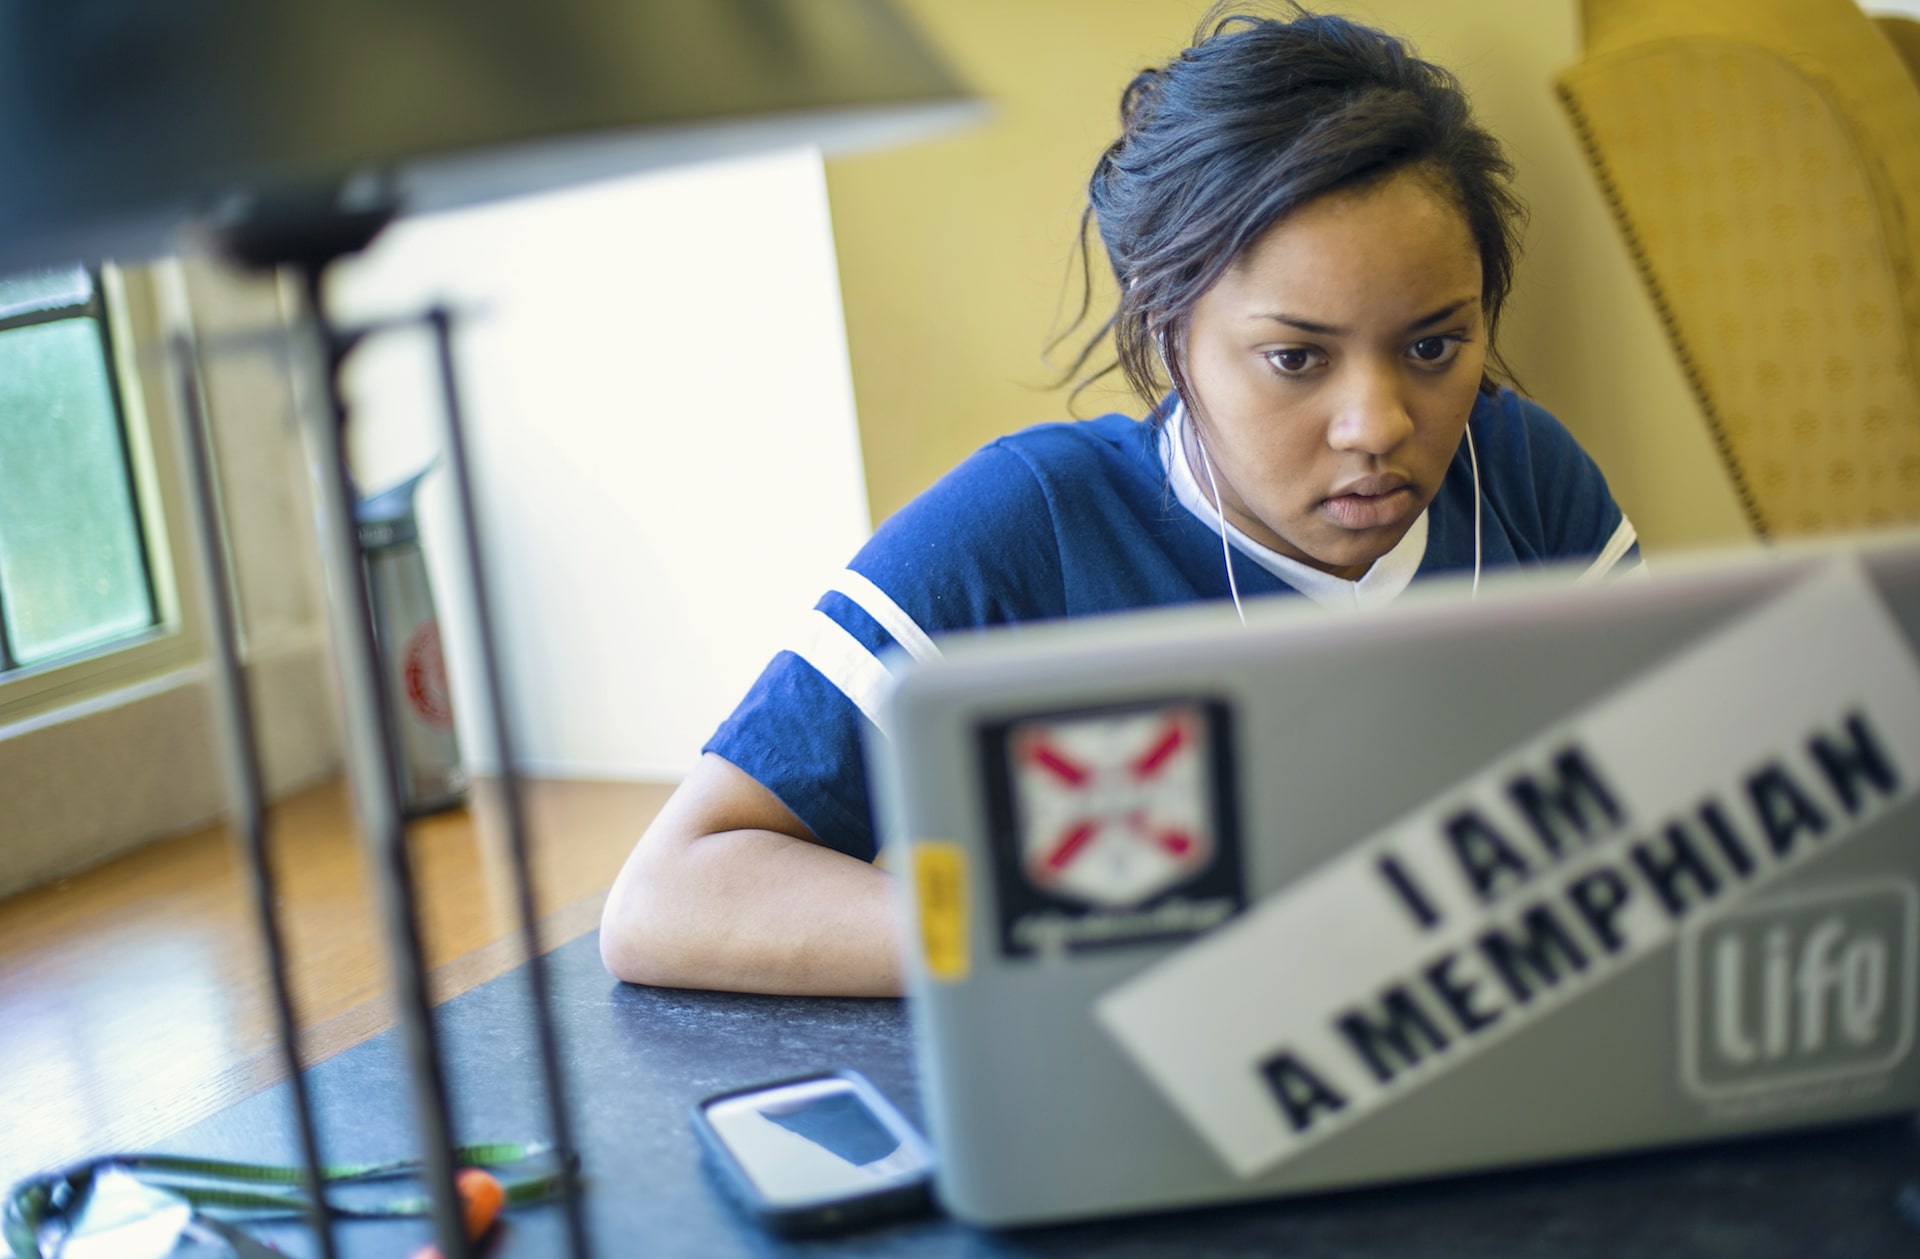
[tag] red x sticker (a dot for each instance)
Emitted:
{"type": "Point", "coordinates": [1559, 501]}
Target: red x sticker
{"type": "Point", "coordinates": [1114, 808]}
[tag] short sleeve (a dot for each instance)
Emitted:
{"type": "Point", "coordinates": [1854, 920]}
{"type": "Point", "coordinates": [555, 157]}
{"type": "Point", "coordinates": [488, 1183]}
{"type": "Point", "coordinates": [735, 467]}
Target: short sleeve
{"type": "Point", "coordinates": [976, 549]}
{"type": "Point", "coordinates": [1550, 497]}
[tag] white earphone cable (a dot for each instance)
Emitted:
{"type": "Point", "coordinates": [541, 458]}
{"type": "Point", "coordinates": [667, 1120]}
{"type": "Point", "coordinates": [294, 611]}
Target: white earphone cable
{"type": "Point", "coordinates": [1474, 459]}
{"type": "Point", "coordinates": [1226, 552]}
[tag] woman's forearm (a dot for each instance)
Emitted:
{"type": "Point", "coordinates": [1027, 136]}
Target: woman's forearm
{"type": "Point", "coordinates": [747, 909]}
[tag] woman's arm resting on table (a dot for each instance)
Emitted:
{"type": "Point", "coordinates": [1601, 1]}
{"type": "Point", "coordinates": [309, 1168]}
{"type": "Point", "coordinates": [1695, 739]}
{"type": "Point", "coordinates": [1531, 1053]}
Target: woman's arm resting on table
{"type": "Point", "coordinates": [724, 891]}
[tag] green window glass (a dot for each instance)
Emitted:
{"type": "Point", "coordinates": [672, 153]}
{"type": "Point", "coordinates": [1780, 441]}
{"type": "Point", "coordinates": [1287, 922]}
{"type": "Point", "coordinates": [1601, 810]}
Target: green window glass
{"type": "Point", "coordinates": [73, 569]}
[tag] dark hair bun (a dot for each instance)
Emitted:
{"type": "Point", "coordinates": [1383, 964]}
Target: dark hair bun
{"type": "Point", "coordinates": [1258, 117]}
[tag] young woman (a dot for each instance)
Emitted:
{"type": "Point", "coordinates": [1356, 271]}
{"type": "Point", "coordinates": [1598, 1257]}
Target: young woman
{"type": "Point", "coordinates": [1313, 240]}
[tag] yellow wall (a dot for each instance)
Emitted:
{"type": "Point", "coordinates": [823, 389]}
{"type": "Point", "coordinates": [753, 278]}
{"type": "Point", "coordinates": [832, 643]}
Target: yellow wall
{"type": "Point", "coordinates": [954, 253]}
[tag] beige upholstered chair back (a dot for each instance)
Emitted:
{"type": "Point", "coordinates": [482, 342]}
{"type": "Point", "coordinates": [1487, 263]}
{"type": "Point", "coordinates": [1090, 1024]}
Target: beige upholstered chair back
{"type": "Point", "coordinates": [1904, 34]}
{"type": "Point", "coordinates": [1762, 158]}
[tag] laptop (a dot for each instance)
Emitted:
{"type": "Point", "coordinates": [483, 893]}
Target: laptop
{"type": "Point", "coordinates": [1200, 912]}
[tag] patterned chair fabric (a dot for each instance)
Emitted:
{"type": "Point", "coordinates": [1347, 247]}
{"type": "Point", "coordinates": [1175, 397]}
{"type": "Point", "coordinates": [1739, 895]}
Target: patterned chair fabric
{"type": "Point", "coordinates": [1762, 159]}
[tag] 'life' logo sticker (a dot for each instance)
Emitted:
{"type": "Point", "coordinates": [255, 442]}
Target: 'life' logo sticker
{"type": "Point", "coordinates": [1794, 995]}
{"type": "Point", "coordinates": [1113, 826]}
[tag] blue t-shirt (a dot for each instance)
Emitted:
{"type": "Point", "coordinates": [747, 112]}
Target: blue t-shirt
{"type": "Point", "coordinates": [1077, 519]}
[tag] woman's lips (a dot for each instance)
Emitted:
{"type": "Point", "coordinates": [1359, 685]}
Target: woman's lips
{"type": "Point", "coordinates": [1370, 505]}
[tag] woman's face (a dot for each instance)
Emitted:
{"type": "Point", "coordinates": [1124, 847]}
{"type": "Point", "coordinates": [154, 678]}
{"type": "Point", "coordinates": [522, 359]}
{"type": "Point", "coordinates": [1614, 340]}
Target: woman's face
{"type": "Point", "coordinates": [1334, 366]}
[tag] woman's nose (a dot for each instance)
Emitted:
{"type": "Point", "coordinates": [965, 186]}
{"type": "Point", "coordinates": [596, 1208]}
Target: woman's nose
{"type": "Point", "coordinates": [1370, 413]}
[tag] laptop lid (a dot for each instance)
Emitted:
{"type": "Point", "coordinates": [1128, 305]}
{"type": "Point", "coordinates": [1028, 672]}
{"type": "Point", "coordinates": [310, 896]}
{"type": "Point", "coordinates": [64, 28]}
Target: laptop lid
{"type": "Point", "coordinates": [1199, 913]}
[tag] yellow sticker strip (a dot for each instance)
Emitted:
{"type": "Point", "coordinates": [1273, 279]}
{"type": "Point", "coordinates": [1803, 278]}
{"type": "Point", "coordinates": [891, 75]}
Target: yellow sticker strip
{"type": "Point", "coordinates": [940, 880]}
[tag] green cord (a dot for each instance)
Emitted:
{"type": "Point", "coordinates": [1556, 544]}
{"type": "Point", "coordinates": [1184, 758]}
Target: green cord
{"type": "Point", "coordinates": [225, 1186]}
{"type": "Point", "coordinates": [488, 1155]}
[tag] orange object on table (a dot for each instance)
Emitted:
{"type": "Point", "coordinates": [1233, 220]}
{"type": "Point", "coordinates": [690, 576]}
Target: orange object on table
{"type": "Point", "coordinates": [481, 1198]}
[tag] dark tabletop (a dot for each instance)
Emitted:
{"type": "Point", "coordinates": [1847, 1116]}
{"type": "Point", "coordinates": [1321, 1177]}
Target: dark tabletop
{"type": "Point", "coordinates": [638, 1059]}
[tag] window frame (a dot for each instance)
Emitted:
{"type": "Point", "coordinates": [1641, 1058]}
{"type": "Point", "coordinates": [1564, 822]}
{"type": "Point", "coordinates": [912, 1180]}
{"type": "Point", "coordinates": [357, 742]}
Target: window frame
{"type": "Point", "coordinates": [127, 319]}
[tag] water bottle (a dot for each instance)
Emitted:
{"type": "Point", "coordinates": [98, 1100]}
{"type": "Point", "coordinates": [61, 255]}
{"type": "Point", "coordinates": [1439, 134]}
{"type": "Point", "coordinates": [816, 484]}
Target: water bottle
{"type": "Point", "coordinates": [420, 705]}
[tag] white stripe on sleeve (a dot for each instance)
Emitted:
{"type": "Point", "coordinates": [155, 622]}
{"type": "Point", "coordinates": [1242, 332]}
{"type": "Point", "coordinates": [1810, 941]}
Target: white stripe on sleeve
{"type": "Point", "coordinates": [844, 661]}
{"type": "Point", "coordinates": [1612, 553]}
{"type": "Point", "coordinates": [879, 605]}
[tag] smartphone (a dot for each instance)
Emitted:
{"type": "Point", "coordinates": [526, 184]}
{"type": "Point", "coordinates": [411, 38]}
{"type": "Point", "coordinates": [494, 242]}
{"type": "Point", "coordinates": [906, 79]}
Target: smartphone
{"type": "Point", "coordinates": [816, 1153]}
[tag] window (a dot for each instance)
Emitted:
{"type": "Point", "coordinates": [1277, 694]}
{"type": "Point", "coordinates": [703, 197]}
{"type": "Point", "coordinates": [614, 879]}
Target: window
{"type": "Point", "coordinates": [105, 726]}
{"type": "Point", "coordinates": [90, 567]}
{"type": "Point", "coordinates": [74, 570]}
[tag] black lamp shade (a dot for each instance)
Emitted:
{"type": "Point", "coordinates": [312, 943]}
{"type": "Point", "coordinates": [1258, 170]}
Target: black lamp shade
{"type": "Point", "coordinates": [122, 120]}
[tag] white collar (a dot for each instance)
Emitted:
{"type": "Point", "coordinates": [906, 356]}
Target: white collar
{"type": "Point", "coordinates": [1379, 585]}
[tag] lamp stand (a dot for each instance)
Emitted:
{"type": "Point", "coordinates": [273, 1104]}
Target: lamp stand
{"type": "Point", "coordinates": [302, 236]}
{"type": "Point", "coordinates": [245, 792]}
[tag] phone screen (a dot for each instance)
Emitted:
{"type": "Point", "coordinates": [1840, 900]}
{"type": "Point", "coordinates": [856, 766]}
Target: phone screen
{"type": "Point", "coordinates": [815, 1139]}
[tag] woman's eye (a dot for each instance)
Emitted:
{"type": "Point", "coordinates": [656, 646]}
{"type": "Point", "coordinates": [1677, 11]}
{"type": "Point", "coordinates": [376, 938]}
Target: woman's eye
{"type": "Point", "coordinates": [1293, 362]}
{"type": "Point", "coordinates": [1434, 351]}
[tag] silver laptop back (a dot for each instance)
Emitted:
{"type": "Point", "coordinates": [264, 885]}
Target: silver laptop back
{"type": "Point", "coordinates": [1200, 913]}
